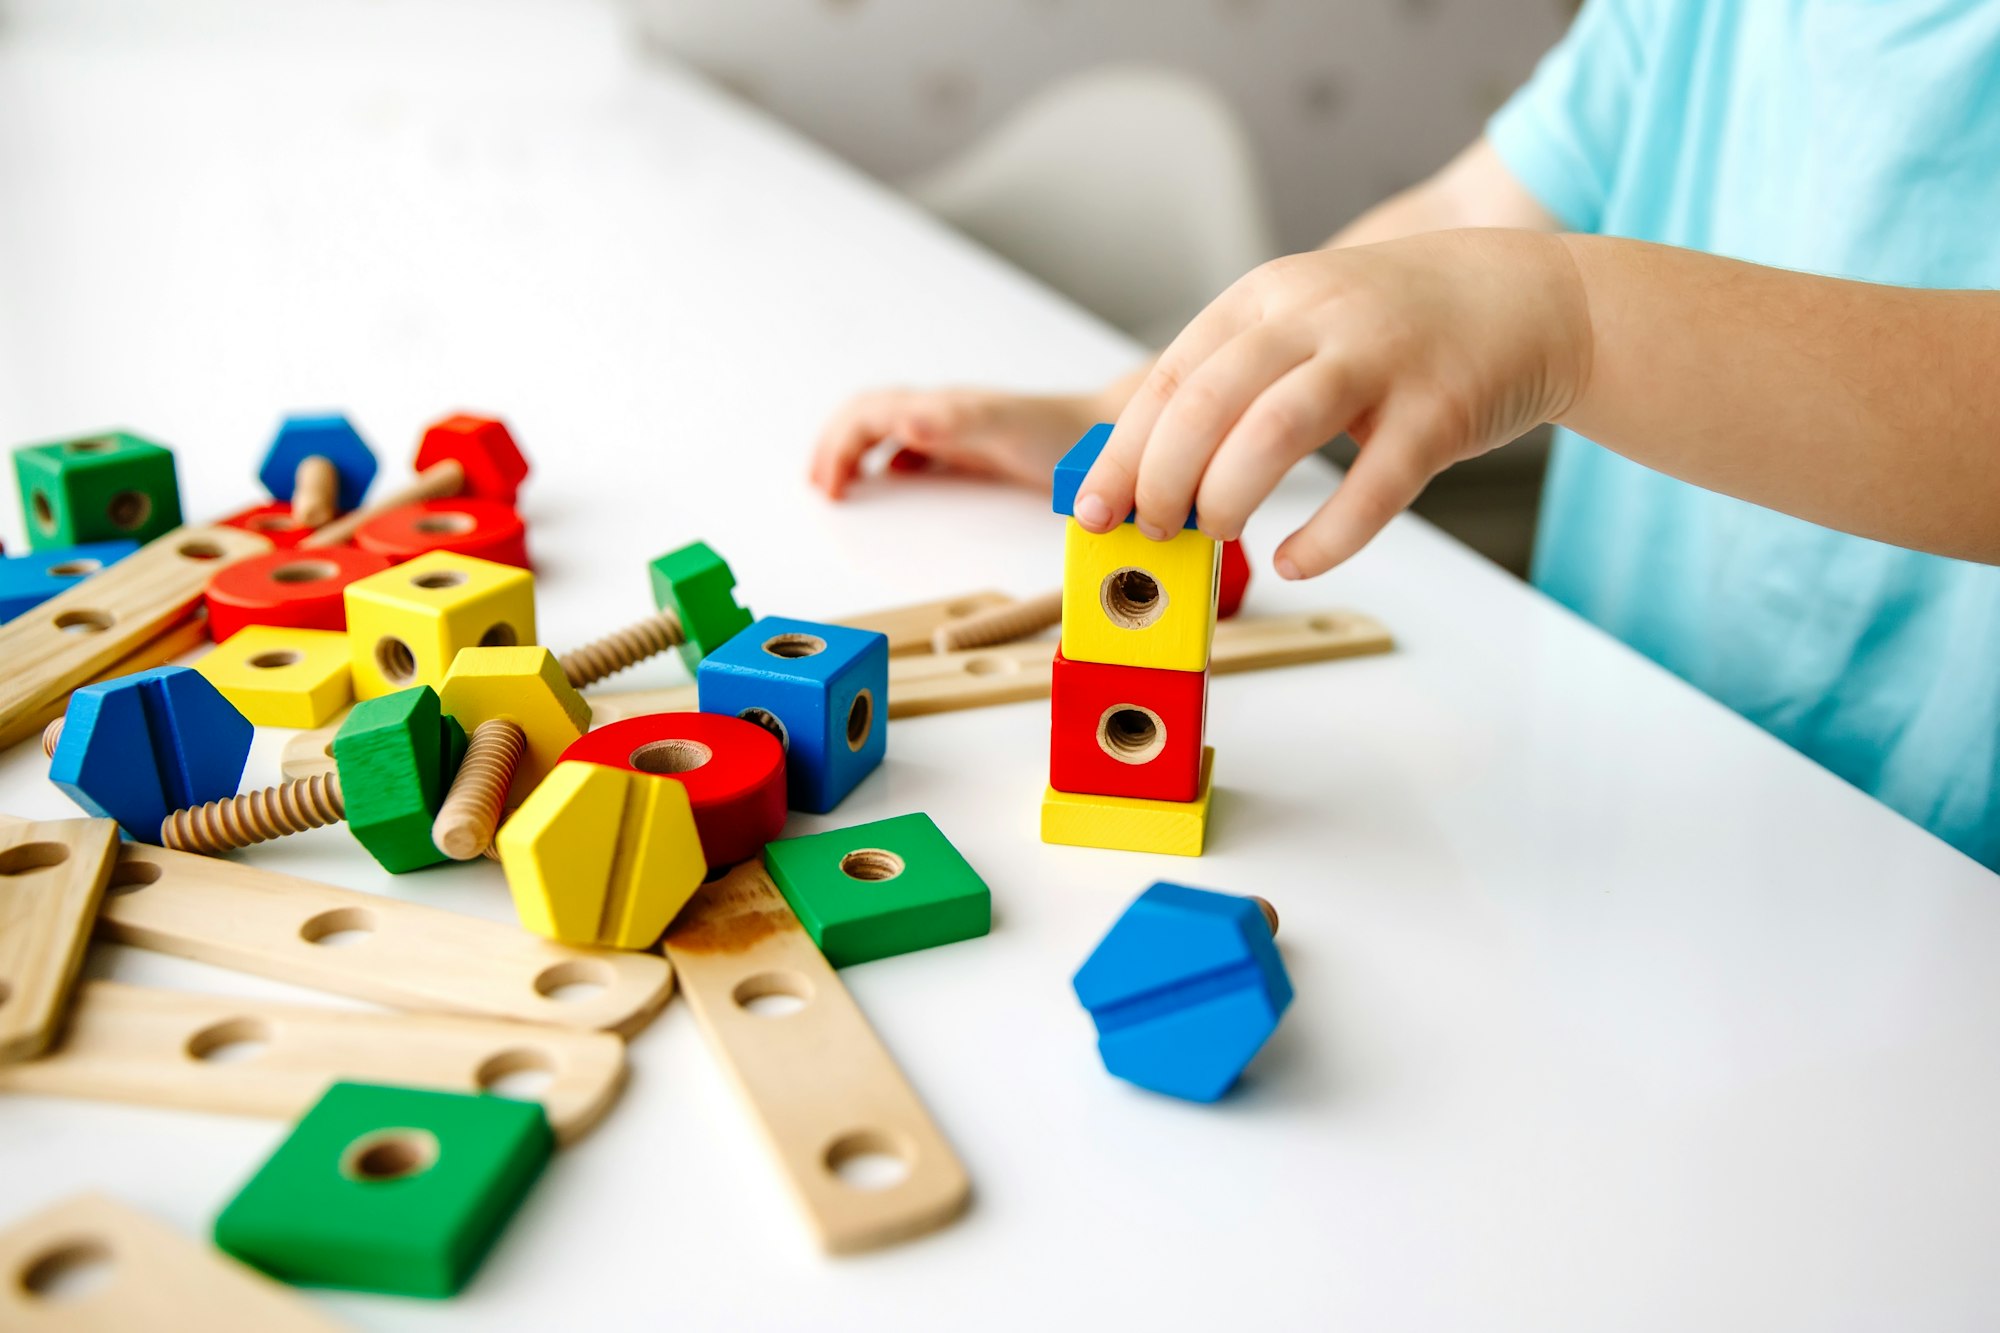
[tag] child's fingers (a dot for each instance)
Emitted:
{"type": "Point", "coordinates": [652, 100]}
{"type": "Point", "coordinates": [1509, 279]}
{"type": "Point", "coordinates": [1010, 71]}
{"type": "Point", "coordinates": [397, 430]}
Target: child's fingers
{"type": "Point", "coordinates": [1310, 405]}
{"type": "Point", "coordinates": [1390, 473]}
{"type": "Point", "coordinates": [853, 431]}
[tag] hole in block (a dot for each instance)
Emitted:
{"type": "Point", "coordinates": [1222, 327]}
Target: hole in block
{"type": "Point", "coordinates": [577, 979]}
{"type": "Point", "coordinates": [45, 513]}
{"type": "Point", "coordinates": [129, 510]}
{"type": "Point", "coordinates": [339, 928]}
{"type": "Point", "coordinates": [794, 645]}
{"type": "Point", "coordinates": [83, 622]}
{"type": "Point", "coordinates": [521, 1072]}
{"type": "Point", "coordinates": [32, 856]}
{"type": "Point", "coordinates": [1132, 598]}
{"type": "Point", "coordinates": [132, 876]}
{"type": "Point", "coordinates": [445, 525]}
{"type": "Point", "coordinates": [860, 719]}
{"type": "Point", "coordinates": [74, 569]}
{"type": "Point", "coordinates": [394, 659]}
{"type": "Point", "coordinates": [501, 635]}
{"type": "Point", "coordinates": [871, 864]}
{"type": "Point", "coordinates": [770, 722]}
{"type": "Point", "coordinates": [68, 1272]}
{"type": "Point", "coordinates": [277, 657]}
{"type": "Point", "coordinates": [231, 1041]}
{"type": "Point", "coordinates": [671, 756]}
{"type": "Point", "coordinates": [305, 571]}
{"type": "Point", "coordinates": [773, 994]}
{"type": "Point", "coordinates": [97, 446]}
{"type": "Point", "coordinates": [439, 578]}
{"type": "Point", "coordinates": [274, 523]}
{"type": "Point", "coordinates": [389, 1154]}
{"type": "Point", "coordinates": [869, 1159]}
{"type": "Point", "coordinates": [1131, 734]}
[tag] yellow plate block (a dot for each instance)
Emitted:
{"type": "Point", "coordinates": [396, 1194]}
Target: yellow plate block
{"type": "Point", "coordinates": [1128, 601]}
{"type": "Point", "coordinates": [282, 677]}
{"type": "Point", "coordinates": [406, 624]}
{"type": "Point", "coordinates": [526, 685]}
{"type": "Point", "coordinates": [1128, 823]}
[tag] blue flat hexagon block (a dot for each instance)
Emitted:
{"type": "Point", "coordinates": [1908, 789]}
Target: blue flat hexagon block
{"type": "Point", "coordinates": [822, 689]}
{"type": "Point", "coordinates": [1072, 466]}
{"type": "Point", "coordinates": [26, 581]}
{"type": "Point", "coordinates": [140, 747]}
{"type": "Point", "coordinates": [1185, 989]}
{"type": "Point", "coordinates": [330, 436]}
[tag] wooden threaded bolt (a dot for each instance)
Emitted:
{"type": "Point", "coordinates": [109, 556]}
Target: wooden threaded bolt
{"type": "Point", "coordinates": [627, 647]}
{"type": "Point", "coordinates": [1270, 913]}
{"type": "Point", "coordinates": [433, 483]}
{"type": "Point", "coordinates": [315, 491]}
{"type": "Point", "coordinates": [471, 810]}
{"type": "Point", "coordinates": [999, 624]}
{"type": "Point", "coordinates": [52, 737]}
{"type": "Point", "coordinates": [255, 816]}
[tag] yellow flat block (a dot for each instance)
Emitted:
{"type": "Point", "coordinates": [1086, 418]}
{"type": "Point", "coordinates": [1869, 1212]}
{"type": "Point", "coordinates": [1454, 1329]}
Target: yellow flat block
{"type": "Point", "coordinates": [1127, 823]}
{"type": "Point", "coordinates": [1128, 601]}
{"type": "Point", "coordinates": [282, 677]}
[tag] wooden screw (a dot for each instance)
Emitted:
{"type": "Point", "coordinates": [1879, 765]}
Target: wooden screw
{"type": "Point", "coordinates": [1270, 913]}
{"type": "Point", "coordinates": [315, 491]}
{"type": "Point", "coordinates": [51, 737]}
{"type": "Point", "coordinates": [433, 483]}
{"type": "Point", "coordinates": [471, 811]}
{"type": "Point", "coordinates": [627, 647]}
{"type": "Point", "coordinates": [256, 816]}
{"type": "Point", "coordinates": [999, 624]}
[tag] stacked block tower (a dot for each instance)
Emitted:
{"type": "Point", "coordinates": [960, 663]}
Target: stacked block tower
{"type": "Point", "coordinates": [1128, 766]}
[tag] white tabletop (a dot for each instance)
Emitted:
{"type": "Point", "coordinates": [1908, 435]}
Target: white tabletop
{"type": "Point", "coordinates": [1612, 1011]}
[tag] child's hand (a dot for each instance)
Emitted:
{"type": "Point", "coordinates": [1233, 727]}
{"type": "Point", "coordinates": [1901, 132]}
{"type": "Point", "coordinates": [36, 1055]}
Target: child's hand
{"type": "Point", "coordinates": [1011, 437]}
{"type": "Point", "coordinates": [1426, 351]}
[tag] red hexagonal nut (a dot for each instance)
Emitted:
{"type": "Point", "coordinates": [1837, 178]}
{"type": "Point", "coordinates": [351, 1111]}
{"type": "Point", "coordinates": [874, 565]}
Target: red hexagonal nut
{"type": "Point", "coordinates": [483, 528]}
{"type": "Point", "coordinates": [1232, 581]}
{"type": "Point", "coordinates": [493, 463]}
{"type": "Point", "coordinates": [734, 772]}
{"type": "Point", "coordinates": [297, 589]}
{"type": "Point", "coordinates": [273, 522]}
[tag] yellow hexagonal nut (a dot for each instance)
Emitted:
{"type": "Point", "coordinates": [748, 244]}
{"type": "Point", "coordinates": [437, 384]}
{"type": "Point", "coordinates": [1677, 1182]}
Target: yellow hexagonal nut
{"type": "Point", "coordinates": [406, 624]}
{"type": "Point", "coordinates": [602, 856]}
{"type": "Point", "coordinates": [526, 686]}
{"type": "Point", "coordinates": [278, 676]}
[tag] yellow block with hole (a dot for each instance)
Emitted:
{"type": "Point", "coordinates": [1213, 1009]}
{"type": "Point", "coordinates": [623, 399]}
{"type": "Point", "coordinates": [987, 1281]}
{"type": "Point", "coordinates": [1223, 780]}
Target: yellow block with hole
{"type": "Point", "coordinates": [282, 677]}
{"type": "Point", "coordinates": [525, 685]}
{"type": "Point", "coordinates": [1130, 823]}
{"type": "Point", "coordinates": [1128, 601]}
{"type": "Point", "coordinates": [406, 624]}
{"type": "Point", "coordinates": [602, 856]}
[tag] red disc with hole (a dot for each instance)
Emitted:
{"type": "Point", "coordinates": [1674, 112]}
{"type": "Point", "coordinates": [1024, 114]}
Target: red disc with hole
{"type": "Point", "coordinates": [273, 522]}
{"type": "Point", "coordinates": [296, 589]}
{"type": "Point", "coordinates": [734, 772]}
{"type": "Point", "coordinates": [483, 528]}
{"type": "Point", "coordinates": [1232, 580]}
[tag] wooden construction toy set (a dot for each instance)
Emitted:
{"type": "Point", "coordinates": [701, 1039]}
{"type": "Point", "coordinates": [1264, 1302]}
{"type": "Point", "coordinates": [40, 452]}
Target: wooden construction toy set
{"type": "Point", "coordinates": [641, 836]}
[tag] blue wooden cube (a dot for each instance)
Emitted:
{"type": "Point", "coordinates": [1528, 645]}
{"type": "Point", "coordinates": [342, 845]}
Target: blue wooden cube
{"type": "Point", "coordinates": [1074, 465]}
{"type": "Point", "coordinates": [26, 581]}
{"type": "Point", "coordinates": [823, 690]}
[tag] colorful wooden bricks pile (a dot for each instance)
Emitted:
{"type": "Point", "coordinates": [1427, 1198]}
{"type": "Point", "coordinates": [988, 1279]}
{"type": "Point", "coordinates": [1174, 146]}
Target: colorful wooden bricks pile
{"type": "Point", "coordinates": [1128, 768]}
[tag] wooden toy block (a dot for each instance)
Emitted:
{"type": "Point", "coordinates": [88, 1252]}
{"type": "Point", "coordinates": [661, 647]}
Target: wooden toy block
{"type": "Point", "coordinates": [422, 958]}
{"type": "Point", "coordinates": [177, 641]}
{"type": "Point", "coordinates": [275, 522]}
{"type": "Point", "coordinates": [1232, 581]}
{"type": "Point", "coordinates": [1005, 623]}
{"type": "Point", "coordinates": [486, 529]}
{"type": "Point", "coordinates": [876, 890]}
{"type": "Point", "coordinates": [734, 772]}
{"type": "Point", "coordinates": [110, 487]}
{"type": "Point", "coordinates": [293, 589]}
{"type": "Point", "coordinates": [821, 689]}
{"type": "Point", "coordinates": [1126, 731]}
{"type": "Point", "coordinates": [395, 757]}
{"type": "Point", "coordinates": [911, 628]}
{"type": "Point", "coordinates": [320, 465]}
{"type": "Point", "coordinates": [520, 715]}
{"type": "Point", "coordinates": [695, 584]}
{"type": "Point", "coordinates": [52, 876]}
{"type": "Point", "coordinates": [138, 748]}
{"type": "Point", "coordinates": [818, 1079]}
{"type": "Point", "coordinates": [406, 624]}
{"type": "Point", "coordinates": [76, 636]}
{"type": "Point", "coordinates": [395, 1190]}
{"type": "Point", "coordinates": [1185, 989]}
{"type": "Point", "coordinates": [255, 1057]}
{"type": "Point", "coordinates": [1130, 601]}
{"type": "Point", "coordinates": [282, 677]}
{"type": "Point", "coordinates": [153, 1278]}
{"type": "Point", "coordinates": [1129, 823]}
{"type": "Point", "coordinates": [461, 455]}
{"type": "Point", "coordinates": [602, 856]}
{"type": "Point", "coordinates": [26, 581]}
{"type": "Point", "coordinates": [1075, 464]}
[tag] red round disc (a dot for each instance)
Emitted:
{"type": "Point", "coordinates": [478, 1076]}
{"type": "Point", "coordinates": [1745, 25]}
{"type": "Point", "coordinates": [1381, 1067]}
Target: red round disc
{"type": "Point", "coordinates": [296, 589]}
{"type": "Point", "coordinates": [734, 772]}
{"type": "Point", "coordinates": [273, 522]}
{"type": "Point", "coordinates": [486, 529]}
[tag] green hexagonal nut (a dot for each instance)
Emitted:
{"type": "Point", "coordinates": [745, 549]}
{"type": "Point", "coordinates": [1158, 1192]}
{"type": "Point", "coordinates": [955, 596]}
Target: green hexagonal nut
{"type": "Point", "coordinates": [696, 585]}
{"type": "Point", "coordinates": [397, 755]}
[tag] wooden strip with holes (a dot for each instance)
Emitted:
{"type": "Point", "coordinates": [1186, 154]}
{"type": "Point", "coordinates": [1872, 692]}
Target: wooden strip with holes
{"type": "Point", "coordinates": [172, 1048]}
{"type": "Point", "coordinates": [910, 627]}
{"type": "Point", "coordinates": [80, 632]}
{"type": "Point", "coordinates": [154, 1278]}
{"type": "Point", "coordinates": [819, 1080]}
{"type": "Point", "coordinates": [52, 876]}
{"type": "Point", "coordinates": [416, 957]}
{"type": "Point", "coordinates": [178, 640]}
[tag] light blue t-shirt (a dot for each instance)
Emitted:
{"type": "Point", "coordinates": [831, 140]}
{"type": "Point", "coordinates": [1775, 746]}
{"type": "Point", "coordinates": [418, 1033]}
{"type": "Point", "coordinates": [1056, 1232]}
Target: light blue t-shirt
{"type": "Point", "coordinates": [1857, 138]}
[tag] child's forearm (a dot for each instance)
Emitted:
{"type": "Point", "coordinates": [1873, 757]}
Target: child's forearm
{"type": "Point", "coordinates": [1867, 408]}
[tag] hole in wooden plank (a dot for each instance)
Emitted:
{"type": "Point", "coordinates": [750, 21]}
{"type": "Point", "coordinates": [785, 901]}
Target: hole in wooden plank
{"type": "Point", "coordinates": [521, 1072]}
{"type": "Point", "coordinates": [68, 1272]}
{"type": "Point", "coordinates": [83, 622]}
{"type": "Point", "coordinates": [871, 864]}
{"type": "Point", "coordinates": [957, 610]}
{"type": "Point", "coordinates": [1132, 598]}
{"type": "Point", "coordinates": [794, 645]}
{"type": "Point", "coordinates": [199, 550]}
{"type": "Point", "coordinates": [32, 856]}
{"type": "Point", "coordinates": [572, 981]}
{"type": "Point", "coordinates": [231, 1041]}
{"type": "Point", "coordinates": [389, 1154]}
{"type": "Point", "coordinates": [130, 876]}
{"type": "Point", "coordinates": [73, 569]}
{"type": "Point", "coordinates": [671, 756]}
{"type": "Point", "coordinates": [869, 1159]}
{"type": "Point", "coordinates": [339, 928]}
{"type": "Point", "coordinates": [989, 666]}
{"type": "Point", "coordinates": [773, 994]}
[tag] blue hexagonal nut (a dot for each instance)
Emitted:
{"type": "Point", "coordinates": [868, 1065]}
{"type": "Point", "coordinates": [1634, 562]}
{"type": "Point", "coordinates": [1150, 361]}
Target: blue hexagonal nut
{"type": "Point", "coordinates": [140, 747]}
{"type": "Point", "coordinates": [331, 437]}
{"type": "Point", "coordinates": [1185, 988]}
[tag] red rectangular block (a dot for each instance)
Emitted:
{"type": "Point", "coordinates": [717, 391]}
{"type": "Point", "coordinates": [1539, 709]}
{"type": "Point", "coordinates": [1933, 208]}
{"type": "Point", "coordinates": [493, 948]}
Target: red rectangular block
{"type": "Point", "coordinates": [1126, 731]}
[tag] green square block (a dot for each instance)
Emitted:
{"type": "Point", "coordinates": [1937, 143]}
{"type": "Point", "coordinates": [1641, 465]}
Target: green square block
{"type": "Point", "coordinates": [696, 585]}
{"type": "Point", "coordinates": [97, 488]}
{"type": "Point", "coordinates": [397, 755]}
{"type": "Point", "coordinates": [396, 1190]}
{"type": "Point", "coordinates": [877, 890]}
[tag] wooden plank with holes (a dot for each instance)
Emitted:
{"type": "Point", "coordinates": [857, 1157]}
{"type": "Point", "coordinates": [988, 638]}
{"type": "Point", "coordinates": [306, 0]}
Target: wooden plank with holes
{"type": "Point", "coordinates": [85, 630]}
{"type": "Point", "coordinates": [152, 1277]}
{"type": "Point", "coordinates": [255, 1057]}
{"type": "Point", "coordinates": [402, 954]}
{"type": "Point", "coordinates": [910, 627]}
{"type": "Point", "coordinates": [819, 1080]}
{"type": "Point", "coordinates": [177, 641]}
{"type": "Point", "coordinates": [52, 877]}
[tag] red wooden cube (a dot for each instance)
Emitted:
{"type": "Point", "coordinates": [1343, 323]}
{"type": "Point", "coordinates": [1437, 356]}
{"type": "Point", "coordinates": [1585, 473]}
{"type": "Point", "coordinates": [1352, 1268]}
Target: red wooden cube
{"type": "Point", "coordinates": [1126, 731]}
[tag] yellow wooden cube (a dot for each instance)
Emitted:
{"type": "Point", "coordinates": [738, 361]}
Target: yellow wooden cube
{"type": "Point", "coordinates": [602, 856]}
{"type": "Point", "coordinates": [527, 687]}
{"type": "Point", "coordinates": [1128, 601]}
{"type": "Point", "coordinates": [406, 624]}
{"type": "Point", "coordinates": [278, 676]}
{"type": "Point", "coordinates": [1129, 823]}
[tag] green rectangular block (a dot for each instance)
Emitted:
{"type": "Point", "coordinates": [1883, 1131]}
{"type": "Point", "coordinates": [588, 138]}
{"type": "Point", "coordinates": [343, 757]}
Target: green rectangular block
{"type": "Point", "coordinates": [396, 1190]}
{"type": "Point", "coordinates": [97, 488]}
{"type": "Point", "coordinates": [876, 890]}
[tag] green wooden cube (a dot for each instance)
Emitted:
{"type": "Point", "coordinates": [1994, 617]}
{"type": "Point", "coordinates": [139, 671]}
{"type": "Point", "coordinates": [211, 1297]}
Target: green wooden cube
{"type": "Point", "coordinates": [97, 488]}
{"type": "Point", "coordinates": [880, 889]}
{"type": "Point", "coordinates": [695, 584]}
{"type": "Point", "coordinates": [396, 756]}
{"type": "Point", "coordinates": [397, 1190]}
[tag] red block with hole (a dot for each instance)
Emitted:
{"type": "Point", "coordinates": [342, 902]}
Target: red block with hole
{"type": "Point", "coordinates": [273, 522]}
{"type": "Point", "coordinates": [1126, 731]}
{"type": "Point", "coordinates": [734, 772]}
{"type": "Point", "coordinates": [298, 589]}
{"type": "Point", "coordinates": [483, 528]}
{"type": "Point", "coordinates": [1232, 580]}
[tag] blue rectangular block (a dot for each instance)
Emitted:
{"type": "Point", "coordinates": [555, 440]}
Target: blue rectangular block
{"type": "Point", "coordinates": [1072, 466]}
{"type": "Point", "coordinates": [26, 581]}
